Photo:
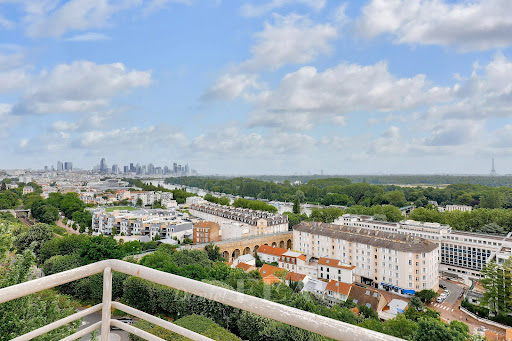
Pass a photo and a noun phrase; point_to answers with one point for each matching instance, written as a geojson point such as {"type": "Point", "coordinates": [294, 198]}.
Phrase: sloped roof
{"type": "Point", "coordinates": [295, 277]}
{"type": "Point", "coordinates": [275, 251]}
{"type": "Point", "coordinates": [388, 240]}
{"type": "Point", "coordinates": [244, 266]}
{"type": "Point", "coordinates": [267, 270]}
{"type": "Point", "coordinates": [334, 262]}
{"type": "Point", "coordinates": [339, 287]}
{"type": "Point", "coordinates": [206, 224]}
{"type": "Point", "coordinates": [271, 279]}
{"type": "Point", "coordinates": [363, 296]}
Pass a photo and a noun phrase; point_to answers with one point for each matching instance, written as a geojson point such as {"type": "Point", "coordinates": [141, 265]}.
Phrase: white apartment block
{"type": "Point", "coordinates": [164, 223]}
{"type": "Point", "coordinates": [395, 262]}
{"type": "Point", "coordinates": [461, 254]}
{"type": "Point", "coordinates": [463, 208]}
{"type": "Point", "coordinates": [149, 197]}
{"type": "Point", "coordinates": [258, 222]}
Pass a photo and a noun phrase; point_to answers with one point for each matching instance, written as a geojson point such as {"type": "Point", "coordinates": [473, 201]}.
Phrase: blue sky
{"type": "Point", "coordinates": [258, 87]}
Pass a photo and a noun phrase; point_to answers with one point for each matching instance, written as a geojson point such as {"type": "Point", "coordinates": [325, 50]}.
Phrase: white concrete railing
{"type": "Point", "coordinates": [314, 323]}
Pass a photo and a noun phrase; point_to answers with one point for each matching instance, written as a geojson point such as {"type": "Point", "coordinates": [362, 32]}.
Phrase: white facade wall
{"type": "Point", "coordinates": [407, 271]}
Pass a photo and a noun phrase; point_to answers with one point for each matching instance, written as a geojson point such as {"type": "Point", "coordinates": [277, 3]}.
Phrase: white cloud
{"type": "Point", "coordinates": [343, 89]}
{"type": "Point", "coordinates": [78, 87]}
{"type": "Point", "coordinates": [455, 133]}
{"type": "Point", "coordinates": [13, 75]}
{"type": "Point", "coordinates": [6, 23]}
{"type": "Point", "coordinates": [230, 86]}
{"type": "Point", "coordinates": [156, 5]}
{"type": "Point", "coordinates": [252, 10]}
{"type": "Point", "coordinates": [135, 138]}
{"type": "Point", "coordinates": [54, 21]}
{"type": "Point", "coordinates": [89, 36]}
{"type": "Point", "coordinates": [482, 95]}
{"type": "Point", "coordinates": [467, 26]}
{"type": "Point", "coordinates": [502, 138]}
{"type": "Point", "coordinates": [291, 39]}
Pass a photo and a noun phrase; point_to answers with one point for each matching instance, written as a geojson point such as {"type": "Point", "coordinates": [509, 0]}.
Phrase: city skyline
{"type": "Point", "coordinates": [259, 87]}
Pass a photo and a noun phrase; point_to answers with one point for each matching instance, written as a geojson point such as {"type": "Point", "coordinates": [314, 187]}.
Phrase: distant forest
{"type": "Point", "coordinates": [345, 192]}
{"type": "Point", "coordinates": [486, 180]}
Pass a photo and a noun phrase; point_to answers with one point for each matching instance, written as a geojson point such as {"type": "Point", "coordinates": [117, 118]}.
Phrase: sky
{"type": "Point", "coordinates": [258, 87]}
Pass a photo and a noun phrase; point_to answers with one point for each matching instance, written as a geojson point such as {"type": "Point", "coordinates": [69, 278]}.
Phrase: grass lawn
{"type": "Point", "coordinates": [127, 208]}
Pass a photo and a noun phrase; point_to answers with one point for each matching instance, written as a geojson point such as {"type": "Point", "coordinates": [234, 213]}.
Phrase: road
{"type": "Point", "coordinates": [449, 309]}
{"type": "Point", "coordinates": [115, 335]}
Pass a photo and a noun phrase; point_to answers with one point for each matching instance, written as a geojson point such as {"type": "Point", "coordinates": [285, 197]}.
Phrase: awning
{"type": "Point", "coordinates": [409, 292]}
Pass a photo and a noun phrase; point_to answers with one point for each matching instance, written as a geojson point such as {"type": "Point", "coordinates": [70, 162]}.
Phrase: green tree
{"type": "Point", "coordinates": [426, 295]}
{"type": "Point", "coordinates": [213, 252]}
{"type": "Point", "coordinates": [34, 238]}
{"type": "Point", "coordinates": [99, 248]}
{"type": "Point", "coordinates": [436, 330]}
{"type": "Point", "coordinates": [296, 205]}
{"type": "Point", "coordinates": [492, 200]}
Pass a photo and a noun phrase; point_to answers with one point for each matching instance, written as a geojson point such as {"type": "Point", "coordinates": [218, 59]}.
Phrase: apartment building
{"type": "Point", "coordinates": [28, 189]}
{"type": "Point", "coordinates": [258, 222]}
{"type": "Point", "coordinates": [463, 208]}
{"type": "Point", "coordinates": [164, 223]}
{"type": "Point", "coordinates": [291, 260]}
{"type": "Point", "coordinates": [395, 262]}
{"type": "Point", "coordinates": [205, 232]}
{"type": "Point", "coordinates": [461, 254]}
{"type": "Point", "coordinates": [149, 197]}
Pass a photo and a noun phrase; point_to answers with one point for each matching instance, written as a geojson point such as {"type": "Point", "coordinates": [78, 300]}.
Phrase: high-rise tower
{"type": "Point", "coordinates": [493, 171]}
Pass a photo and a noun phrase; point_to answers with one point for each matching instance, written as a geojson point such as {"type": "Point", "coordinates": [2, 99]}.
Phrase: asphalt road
{"type": "Point", "coordinates": [455, 290]}
{"type": "Point", "coordinates": [115, 335]}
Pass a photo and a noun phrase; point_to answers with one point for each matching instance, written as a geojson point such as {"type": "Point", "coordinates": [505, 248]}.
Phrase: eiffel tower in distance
{"type": "Point", "coordinates": [493, 171]}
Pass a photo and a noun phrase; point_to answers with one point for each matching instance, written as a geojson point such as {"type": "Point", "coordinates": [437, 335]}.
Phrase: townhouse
{"type": "Point", "coordinates": [258, 222]}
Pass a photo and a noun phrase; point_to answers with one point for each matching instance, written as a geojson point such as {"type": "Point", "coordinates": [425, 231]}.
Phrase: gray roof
{"type": "Point", "coordinates": [392, 241]}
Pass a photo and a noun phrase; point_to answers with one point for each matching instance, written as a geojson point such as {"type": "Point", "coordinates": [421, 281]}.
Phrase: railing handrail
{"type": "Point", "coordinates": [302, 319]}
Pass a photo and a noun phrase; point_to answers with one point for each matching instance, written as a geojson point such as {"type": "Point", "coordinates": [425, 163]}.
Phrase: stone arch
{"type": "Point", "coordinates": [255, 250]}
{"type": "Point", "coordinates": [225, 254]}
{"type": "Point", "coordinates": [235, 254]}
{"type": "Point", "coordinates": [247, 250]}
{"type": "Point", "coordinates": [281, 244]}
{"type": "Point", "coordinates": [274, 244]}
{"type": "Point", "coordinates": [289, 244]}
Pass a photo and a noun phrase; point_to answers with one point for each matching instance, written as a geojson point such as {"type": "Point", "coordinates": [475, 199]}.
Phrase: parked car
{"type": "Point", "coordinates": [440, 299]}
{"type": "Point", "coordinates": [126, 320]}
{"type": "Point", "coordinates": [442, 286]}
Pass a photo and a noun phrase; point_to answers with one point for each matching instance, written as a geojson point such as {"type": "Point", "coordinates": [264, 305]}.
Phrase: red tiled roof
{"type": "Point", "coordinates": [267, 270]}
{"type": "Point", "coordinates": [244, 266]}
{"type": "Point", "coordinates": [271, 279]}
{"type": "Point", "coordinates": [207, 224]}
{"type": "Point", "coordinates": [339, 287]}
{"type": "Point", "coordinates": [335, 263]}
{"type": "Point", "coordinates": [303, 257]}
{"type": "Point", "coordinates": [295, 277]}
{"type": "Point", "coordinates": [276, 251]}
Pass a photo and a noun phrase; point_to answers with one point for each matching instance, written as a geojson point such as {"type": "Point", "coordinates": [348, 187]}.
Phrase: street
{"type": "Point", "coordinates": [449, 309]}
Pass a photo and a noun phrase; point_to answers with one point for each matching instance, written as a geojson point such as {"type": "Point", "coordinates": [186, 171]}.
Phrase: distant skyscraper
{"type": "Point", "coordinates": [46, 168]}
{"type": "Point", "coordinates": [187, 170]}
{"type": "Point", "coordinates": [68, 166]}
{"type": "Point", "coordinates": [175, 168]}
{"type": "Point", "coordinates": [132, 168]}
{"type": "Point", "coordinates": [166, 170]}
{"type": "Point", "coordinates": [115, 169]}
{"type": "Point", "coordinates": [127, 169]}
{"type": "Point", "coordinates": [60, 166]}
{"type": "Point", "coordinates": [103, 166]}
{"type": "Point", "coordinates": [151, 169]}
{"type": "Point", "coordinates": [493, 171]}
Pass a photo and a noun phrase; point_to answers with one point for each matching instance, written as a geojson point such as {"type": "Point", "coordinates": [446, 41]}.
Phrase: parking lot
{"type": "Point", "coordinates": [455, 291]}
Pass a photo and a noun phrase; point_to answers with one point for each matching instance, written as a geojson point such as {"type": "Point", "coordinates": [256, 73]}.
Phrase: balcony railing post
{"type": "Point", "coordinates": [107, 304]}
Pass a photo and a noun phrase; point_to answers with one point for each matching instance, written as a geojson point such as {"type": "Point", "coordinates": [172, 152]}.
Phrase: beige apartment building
{"type": "Point", "coordinates": [395, 262]}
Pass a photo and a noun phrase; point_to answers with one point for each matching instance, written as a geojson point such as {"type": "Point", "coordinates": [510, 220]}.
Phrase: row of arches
{"type": "Point", "coordinates": [231, 255]}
